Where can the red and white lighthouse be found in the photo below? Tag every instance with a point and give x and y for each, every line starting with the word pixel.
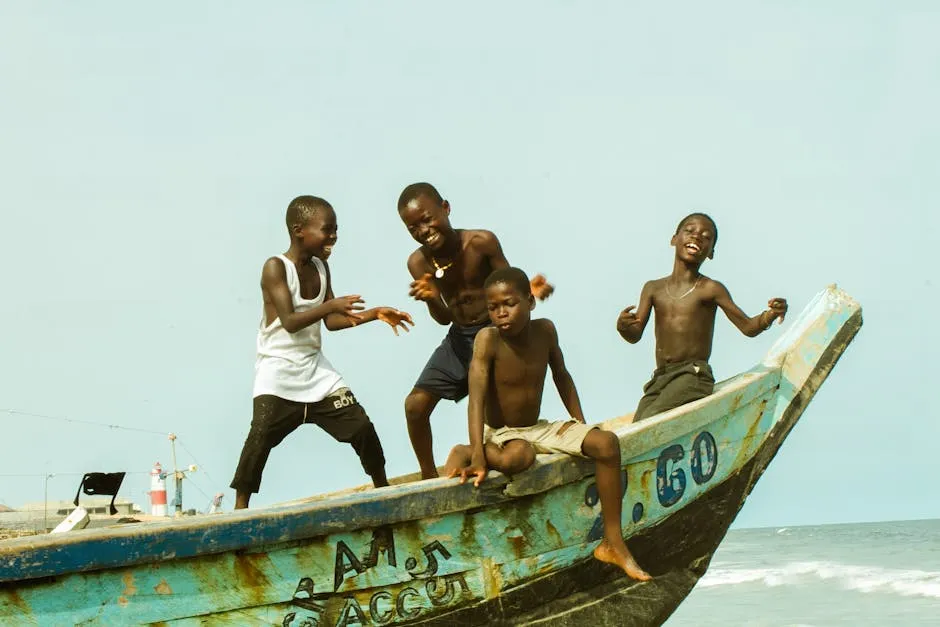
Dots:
pixel 157 490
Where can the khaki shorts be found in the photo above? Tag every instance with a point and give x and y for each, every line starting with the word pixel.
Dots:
pixel 544 436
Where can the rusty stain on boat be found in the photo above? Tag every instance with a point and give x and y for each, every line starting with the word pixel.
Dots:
pixel 129 589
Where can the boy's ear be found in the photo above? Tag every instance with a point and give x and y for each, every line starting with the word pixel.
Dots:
pixel 711 253
pixel 295 229
pixel 445 207
pixel 672 240
pixel 531 301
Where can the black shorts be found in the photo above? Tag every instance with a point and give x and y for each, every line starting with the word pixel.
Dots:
pixel 445 374
pixel 339 414
pixel 673 385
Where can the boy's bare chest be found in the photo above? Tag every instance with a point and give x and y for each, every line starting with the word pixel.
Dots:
pixel 669 305
pixel 468 271
pixel 521 366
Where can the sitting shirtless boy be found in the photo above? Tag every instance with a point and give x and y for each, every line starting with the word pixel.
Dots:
pixel 448 270
pixel 506 381
pixel 685 303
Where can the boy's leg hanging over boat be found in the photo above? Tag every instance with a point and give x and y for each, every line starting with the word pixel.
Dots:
pixel 273 418
pixel 604 448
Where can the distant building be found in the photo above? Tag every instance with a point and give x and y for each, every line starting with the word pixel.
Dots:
pixel 92 504
pixel 34 516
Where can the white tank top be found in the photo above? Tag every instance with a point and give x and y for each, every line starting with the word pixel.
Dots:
pixel 290 365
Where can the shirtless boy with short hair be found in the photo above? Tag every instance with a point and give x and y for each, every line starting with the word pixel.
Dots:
pixel 507 379
pixel 685 303
pixel 448 269
pixel 294 382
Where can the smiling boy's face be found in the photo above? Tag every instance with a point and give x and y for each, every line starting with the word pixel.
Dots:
pixel 695 240
pixel 318 236
pixel 427 221
pixel 510 310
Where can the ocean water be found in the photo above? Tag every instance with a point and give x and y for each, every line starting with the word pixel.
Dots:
pixel 884 573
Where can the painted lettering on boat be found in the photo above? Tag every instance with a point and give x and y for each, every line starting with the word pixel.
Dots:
pixel 671 478
pixel 383 606
pixel 704 457
pixel 383 542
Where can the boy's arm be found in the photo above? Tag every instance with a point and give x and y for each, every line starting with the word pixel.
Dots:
pixel 749 326
pixel 563 381
pixel 493 250
pixel 274 286
pixel 630 324
pixel 484 348
pixel 338 321
pixel 423 288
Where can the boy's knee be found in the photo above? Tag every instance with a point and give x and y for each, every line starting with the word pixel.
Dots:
pixel 416 407
pixel 526 458
pixel 607 445
pixel 517 458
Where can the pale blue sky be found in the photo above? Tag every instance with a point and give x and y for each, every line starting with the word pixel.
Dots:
pixel 148 156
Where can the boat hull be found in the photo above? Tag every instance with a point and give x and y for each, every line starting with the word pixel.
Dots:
pixel 510 552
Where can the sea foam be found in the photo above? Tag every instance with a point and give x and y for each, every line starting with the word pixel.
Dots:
pixel 864 579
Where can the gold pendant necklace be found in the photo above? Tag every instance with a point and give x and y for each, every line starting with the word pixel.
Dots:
pixel 439 273
pixel 689 291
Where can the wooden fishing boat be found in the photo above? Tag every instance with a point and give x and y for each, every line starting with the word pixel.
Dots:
pixel 511 552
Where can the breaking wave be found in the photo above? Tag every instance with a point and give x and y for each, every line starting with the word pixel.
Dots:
pixel 909 583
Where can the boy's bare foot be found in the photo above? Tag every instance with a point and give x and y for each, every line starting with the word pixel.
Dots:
pixel 622 558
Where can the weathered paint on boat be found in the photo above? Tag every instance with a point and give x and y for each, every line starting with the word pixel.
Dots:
pixel 435 552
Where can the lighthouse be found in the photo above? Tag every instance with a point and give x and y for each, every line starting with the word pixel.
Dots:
pixel 157 490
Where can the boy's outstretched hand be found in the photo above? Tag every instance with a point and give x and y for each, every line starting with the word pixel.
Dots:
pixel 349 306
pixel 424 289
pixel 778 309
pixel 346 305
pixel 540 286
pixel 394 318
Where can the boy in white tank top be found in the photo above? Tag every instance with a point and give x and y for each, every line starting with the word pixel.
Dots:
pixel 294 382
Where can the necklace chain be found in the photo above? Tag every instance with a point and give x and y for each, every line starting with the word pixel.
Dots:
pixel 439 272
pixel 440 267
pixel 689 291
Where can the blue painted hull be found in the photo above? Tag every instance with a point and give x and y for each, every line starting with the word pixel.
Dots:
pixel 435 552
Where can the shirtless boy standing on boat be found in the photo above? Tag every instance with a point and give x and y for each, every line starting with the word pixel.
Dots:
pixel 507 379
pixel 294 382
pixel 448 271
pixel 685 303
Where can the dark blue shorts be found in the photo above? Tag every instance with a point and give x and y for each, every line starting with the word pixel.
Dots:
pixel 445 374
